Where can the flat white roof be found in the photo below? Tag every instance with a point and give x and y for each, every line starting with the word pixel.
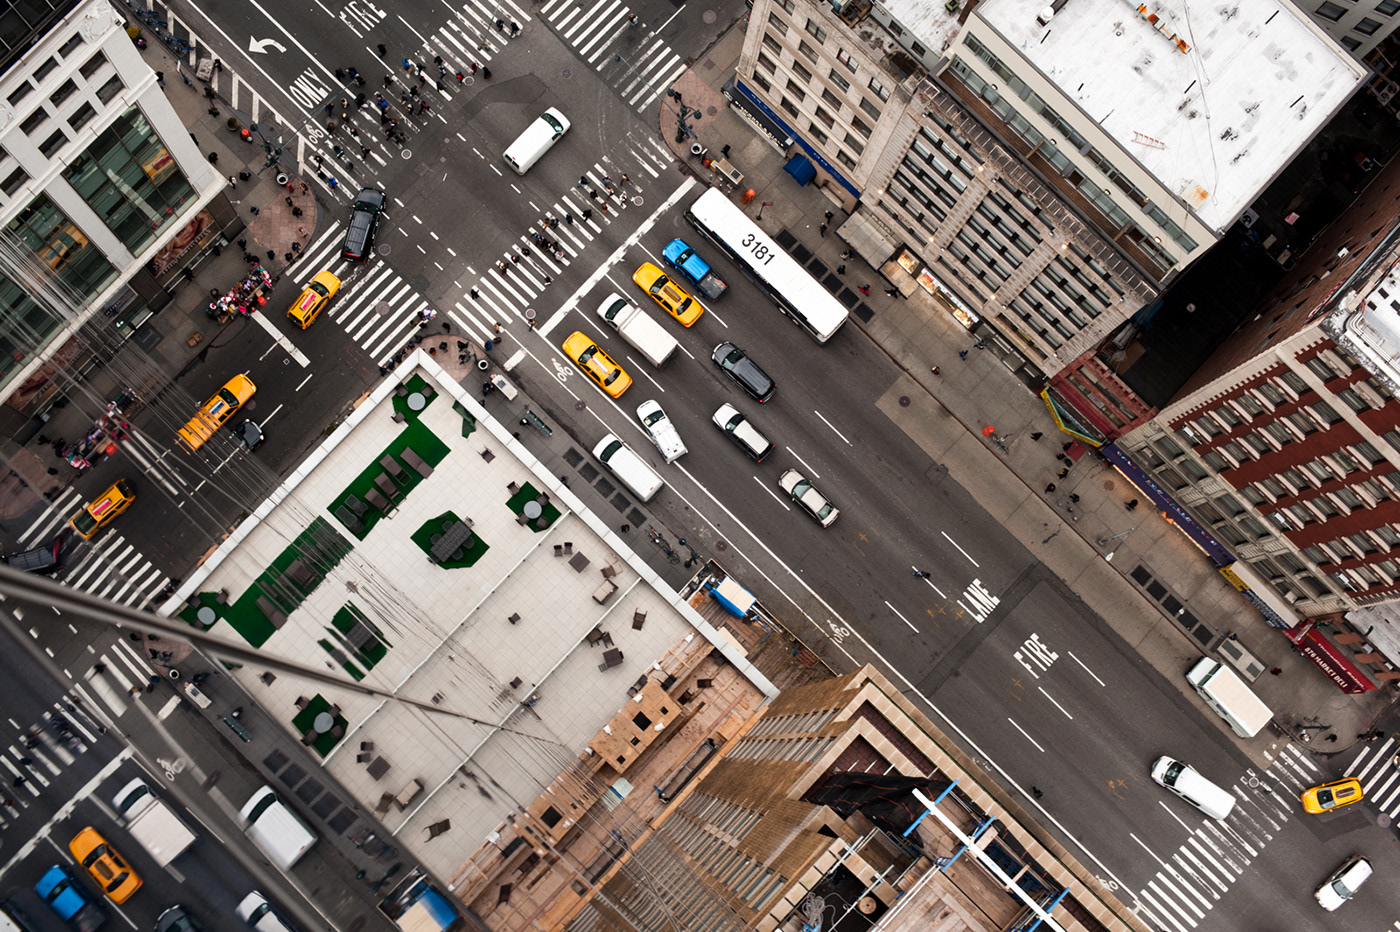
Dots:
pixel 1222 118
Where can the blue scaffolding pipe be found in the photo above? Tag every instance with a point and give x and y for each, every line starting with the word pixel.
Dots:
pixel 1048 909
pixel 976 834
pixel 923 815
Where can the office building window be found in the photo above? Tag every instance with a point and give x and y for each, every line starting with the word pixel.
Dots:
pixel 796 90
pixel 72 45
pixel 816 133
pixel 815 29
pixel 65 90
pixel 788 106
pixel 92 66
pixel 82 116
pixel 58 244
pixel 778 24
pixel 831 98
pixel 109 91
pixel 1331 11
pixel 129 178
pixel 1351 42
pixel 855 144
pixel 879 89
pixel 801 72
pixel 14 182
pixel 859 126
pixel 839 80
pixel 825 118
pixel 51 145
pixel 844 57
pixel 1388 7
pixel 807 51
pixel 1367 27
pixel 761 81
pixel 845 159
pixel 771 44
pixel 870 108
pixel 765 62
pixel 35 120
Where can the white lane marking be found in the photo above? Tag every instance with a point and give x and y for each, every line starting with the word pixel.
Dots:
pixel 1086 669
pixel 1027 736
pixel 960 550
pixel 812 472
pixel 66 810
pixel 281 339
pixel 1057 705
pixel 762 485
pixel 901 617
pixel 169 707
pixel 1174 815
pixel 833 428
pixel 940 592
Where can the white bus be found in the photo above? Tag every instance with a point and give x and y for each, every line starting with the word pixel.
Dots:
pixel 796 293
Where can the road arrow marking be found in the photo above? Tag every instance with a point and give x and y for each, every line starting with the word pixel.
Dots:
pixel 260 45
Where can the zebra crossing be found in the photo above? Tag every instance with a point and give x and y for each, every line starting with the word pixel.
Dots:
pixel 1201 871
pixel 1376 768
pixel 632 59
pixel 108 567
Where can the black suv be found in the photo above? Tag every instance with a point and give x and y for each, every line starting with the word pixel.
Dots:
pixel 744 371
pixel 364 220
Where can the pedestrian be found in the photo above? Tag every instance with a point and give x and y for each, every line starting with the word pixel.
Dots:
pixel 631 19
pixel 514 259
pixel 1276 671
pixel 289 201
pixel 841 269
pixel 271 256
pixel 475 294
pixel 1331 738
pixel 255 211
pixel 1062 473
pixel 160 78
pixel 864 289
pixel 1132 505
pixel 333 183
pixel 822 229
pixel 588 214
pixel 461 77
pixel 568 218
pixel 962 354
pixel 388 80
pixel 582 181
pixel 891 292
pixel 21 780
pixel 921 574
pixel 364 152
pixel 1035 436
pixel 829 215
pixel 213 111
pixel 623 179
pixel 514 28
pixel 382 50
pixel 1036 792
pixel 1049 488
pixel 213 158
pixel 408 66
pixel 935 370
pixel 296 247
pixel 1074 498
pixel 1066 445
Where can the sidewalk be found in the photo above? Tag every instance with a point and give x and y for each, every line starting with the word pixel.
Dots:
pixel 1080 528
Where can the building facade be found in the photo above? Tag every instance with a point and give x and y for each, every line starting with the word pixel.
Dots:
pixel 104 196
pixel 1286 443
pixel 981 158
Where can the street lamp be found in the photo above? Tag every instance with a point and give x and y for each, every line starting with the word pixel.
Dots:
pixel 760 208
pixel 682 130
pixel 1105 541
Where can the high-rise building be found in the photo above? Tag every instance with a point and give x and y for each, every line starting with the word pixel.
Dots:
pixel 103 194
pixel 1039 193
pixel 1285 444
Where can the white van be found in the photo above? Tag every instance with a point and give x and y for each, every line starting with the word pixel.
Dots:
pixel 661 431
pixel 1229 697
pixel 1184 781
pixel 630 469
pixel 258 913
pixel 537 139
pixel 275 829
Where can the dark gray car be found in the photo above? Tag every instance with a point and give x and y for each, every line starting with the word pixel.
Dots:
pixel 744 371
pixel 364 221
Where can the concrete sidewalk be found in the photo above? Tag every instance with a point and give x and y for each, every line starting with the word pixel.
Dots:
pixel 1131 567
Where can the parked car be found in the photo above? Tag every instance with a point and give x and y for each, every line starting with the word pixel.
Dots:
pixel 596 364
pixel 744 371
pixel 742 433
pixel 679 255
pixel 808 498
pixel 1343 883
pixel 1334 795
pixel 662 432
pixel 668 294
pixel 364 222
pixel 313 299
pixel 112 873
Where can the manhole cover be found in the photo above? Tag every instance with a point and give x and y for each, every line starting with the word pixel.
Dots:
pixel 711 111
pixel 384 249
pixel 637 201
pixel 468 81
pixel 406 154
pixel 382 308
pixel 567 73
pixel 708 17
pixel 904 401
pixel 1109 485
pixel 580 405
pixel 721 546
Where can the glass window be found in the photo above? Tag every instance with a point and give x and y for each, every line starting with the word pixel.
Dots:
pixel 879 89
pixel 815 29
pixel 789 107
pixel 1325 411
pixel 1216 461
pixel 1388 7
pixel 825 118
pixel 1332 11
pixel 14 182
pixel 1248 404
pixel 761 81
pixel 72 45
pixel 859 126
pixel 62 247
pixel 1353 400
pixel 765 62
pixel 1301 421
pixel 1367 27
pixel 92 66
pixel 19 93
pixel 44 70
pixel 82 116
pixel 870 108
pixel 51 145
pixel 839 80
pixel 831 99
pixel 778 24
pixel 65 90
pixel 1319 365
pixel 855 144
pixel 807 51
pixel 1271 394
pixel 1280 433
pixel 772 44
pixel 796 90
pixel 788 5
pixel 1296 382
pixel 816 133
pixel 1368 452
pixel 845 159
pixel 1253 495
pixel 109 91
pixel 129 178
pixel 1228 415
pixel 35 120
pixel 801 72
pixel 844 57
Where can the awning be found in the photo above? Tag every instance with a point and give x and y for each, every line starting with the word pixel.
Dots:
pixel 801 169
pixel 1164 503
pixel 1330 659
pixel 1069 420
pixel 774 131
pixel 870 240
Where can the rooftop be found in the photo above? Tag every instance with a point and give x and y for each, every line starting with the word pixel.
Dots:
pixel 406 553
pixel 1215 122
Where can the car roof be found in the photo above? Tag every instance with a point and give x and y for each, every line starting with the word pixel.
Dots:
pixel 370 196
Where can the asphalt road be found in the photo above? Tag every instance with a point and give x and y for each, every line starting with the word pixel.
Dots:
pixel 1040 689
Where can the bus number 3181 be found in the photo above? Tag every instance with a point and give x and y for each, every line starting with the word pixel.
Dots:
pixel 760 252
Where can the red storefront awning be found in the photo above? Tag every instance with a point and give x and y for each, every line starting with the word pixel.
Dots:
pixel 1330 658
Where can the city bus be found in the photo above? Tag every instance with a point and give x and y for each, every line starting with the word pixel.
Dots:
pixel 797 294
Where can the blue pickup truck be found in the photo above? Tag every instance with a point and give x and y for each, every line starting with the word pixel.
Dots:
pixel 61 892
pixel 680 256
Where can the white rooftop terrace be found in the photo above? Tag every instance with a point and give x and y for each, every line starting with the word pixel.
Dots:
pixel 448 632
pixel 1221 119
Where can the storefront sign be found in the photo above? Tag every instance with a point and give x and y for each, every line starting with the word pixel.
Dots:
pixel 1329 658
pixel 1272 617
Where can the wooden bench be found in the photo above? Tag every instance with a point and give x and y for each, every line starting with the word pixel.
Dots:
pixel 273 615
pixel 378 501
pixel 417 462
pixel 604 592
pixel 391 466
pixel 352 523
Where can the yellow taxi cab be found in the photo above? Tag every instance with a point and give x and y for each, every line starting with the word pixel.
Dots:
pixel 596 364
pixel 668 294
pixel 215 412
pixel 113 875
pixel 102 510
pixel 313 299
pixel 1327 796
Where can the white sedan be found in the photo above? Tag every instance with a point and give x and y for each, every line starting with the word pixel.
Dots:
pixel 808 498
pixel 662 432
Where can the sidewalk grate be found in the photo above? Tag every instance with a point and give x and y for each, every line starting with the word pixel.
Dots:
pixel 325 806
pixel 620 503
pixel 817 267
pixel 309 790
pixel 848 298
pixel 275 761
pixel 865 312
pixel 785 239
pixel 342 821
pixel 801 254
pixel 292 775
pixel 588 471
pixel 832 283
pixel 573 457
pixel 605 488
pixel 636 517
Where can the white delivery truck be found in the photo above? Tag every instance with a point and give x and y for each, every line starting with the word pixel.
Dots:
pixel 152 822
pixel 1231 699
pixel 634 326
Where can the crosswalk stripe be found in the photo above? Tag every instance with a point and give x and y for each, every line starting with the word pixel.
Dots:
pixel 50 517
pixel 1161 910
pixel 603 23
pixel 368 317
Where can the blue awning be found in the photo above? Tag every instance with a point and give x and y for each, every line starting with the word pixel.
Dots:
pixel 801 169
pixel 1168 507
